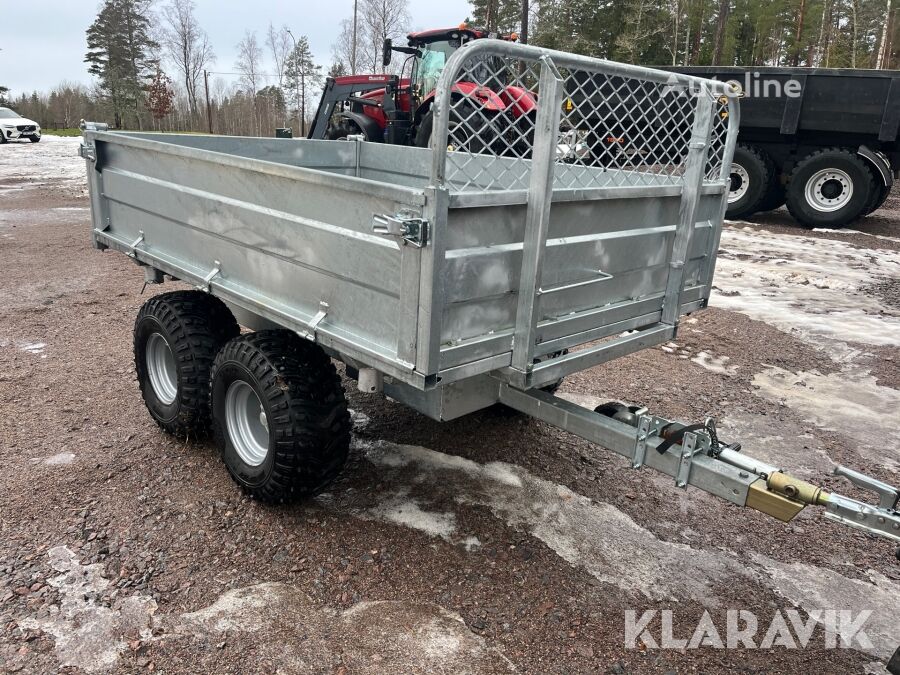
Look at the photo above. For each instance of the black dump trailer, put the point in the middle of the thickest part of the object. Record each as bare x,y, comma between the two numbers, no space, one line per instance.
823,141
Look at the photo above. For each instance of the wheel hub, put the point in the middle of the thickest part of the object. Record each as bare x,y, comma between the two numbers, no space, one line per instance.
739,183
248,426
161,369
829,190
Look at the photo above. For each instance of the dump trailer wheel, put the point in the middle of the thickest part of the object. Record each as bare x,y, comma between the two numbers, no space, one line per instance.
829,188
751,176
774,196
879,194
176,338
279,415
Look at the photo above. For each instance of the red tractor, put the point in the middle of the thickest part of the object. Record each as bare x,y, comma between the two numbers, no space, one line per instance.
397,109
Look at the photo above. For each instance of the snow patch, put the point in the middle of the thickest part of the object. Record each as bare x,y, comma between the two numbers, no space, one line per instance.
816,588
60,458
847,231
237,609
779,442
471,543
396,636
616,550
54,159
715,364
89,636
400,509
807,287
856,407
32,347
359,419
593,535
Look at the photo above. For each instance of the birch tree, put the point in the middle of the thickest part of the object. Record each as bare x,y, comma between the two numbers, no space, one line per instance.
188,46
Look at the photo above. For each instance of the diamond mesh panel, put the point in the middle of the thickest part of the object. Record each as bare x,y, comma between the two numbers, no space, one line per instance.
614,130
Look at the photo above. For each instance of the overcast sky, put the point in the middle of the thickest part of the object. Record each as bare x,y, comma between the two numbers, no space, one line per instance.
43,41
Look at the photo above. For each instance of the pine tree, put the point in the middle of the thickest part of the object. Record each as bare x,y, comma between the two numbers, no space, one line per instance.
120,55
497,15
301,75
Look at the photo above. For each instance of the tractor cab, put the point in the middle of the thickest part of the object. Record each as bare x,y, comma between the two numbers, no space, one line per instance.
391,108
429,52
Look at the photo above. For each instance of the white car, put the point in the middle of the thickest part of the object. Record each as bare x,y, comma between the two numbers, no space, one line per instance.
13,127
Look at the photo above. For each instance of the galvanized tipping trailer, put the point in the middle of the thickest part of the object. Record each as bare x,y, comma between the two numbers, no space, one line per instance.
480,270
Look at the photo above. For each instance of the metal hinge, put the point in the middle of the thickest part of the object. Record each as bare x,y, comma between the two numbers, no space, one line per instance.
412,228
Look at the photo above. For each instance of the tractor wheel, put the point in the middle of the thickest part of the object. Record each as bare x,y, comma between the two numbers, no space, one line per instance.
176,338
829,188
423,133
342,130
468,132
279,415
751,175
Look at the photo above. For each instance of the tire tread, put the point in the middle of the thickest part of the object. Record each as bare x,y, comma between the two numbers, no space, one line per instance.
310,423
200,324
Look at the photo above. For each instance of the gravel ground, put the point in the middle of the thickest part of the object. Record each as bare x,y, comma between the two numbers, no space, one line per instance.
490,544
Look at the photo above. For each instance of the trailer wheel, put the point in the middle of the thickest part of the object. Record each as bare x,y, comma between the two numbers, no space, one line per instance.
879,194
279,415
751,175
176,338
774,196
829,188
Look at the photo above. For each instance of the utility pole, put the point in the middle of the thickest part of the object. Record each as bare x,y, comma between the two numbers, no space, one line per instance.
301,104
523,34
208,107
353,45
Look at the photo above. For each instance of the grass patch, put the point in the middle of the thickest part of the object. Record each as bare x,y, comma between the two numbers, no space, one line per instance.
61,132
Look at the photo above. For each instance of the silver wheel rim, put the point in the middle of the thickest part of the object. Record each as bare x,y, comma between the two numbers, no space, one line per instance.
829,190
161,369
741,173
247,425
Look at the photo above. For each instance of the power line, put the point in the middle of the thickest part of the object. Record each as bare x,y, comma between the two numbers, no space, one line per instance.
218,72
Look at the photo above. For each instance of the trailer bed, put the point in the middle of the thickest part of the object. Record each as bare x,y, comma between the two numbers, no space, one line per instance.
283,229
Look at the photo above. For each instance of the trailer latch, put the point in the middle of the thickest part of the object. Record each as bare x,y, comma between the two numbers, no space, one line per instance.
411,228
87,152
